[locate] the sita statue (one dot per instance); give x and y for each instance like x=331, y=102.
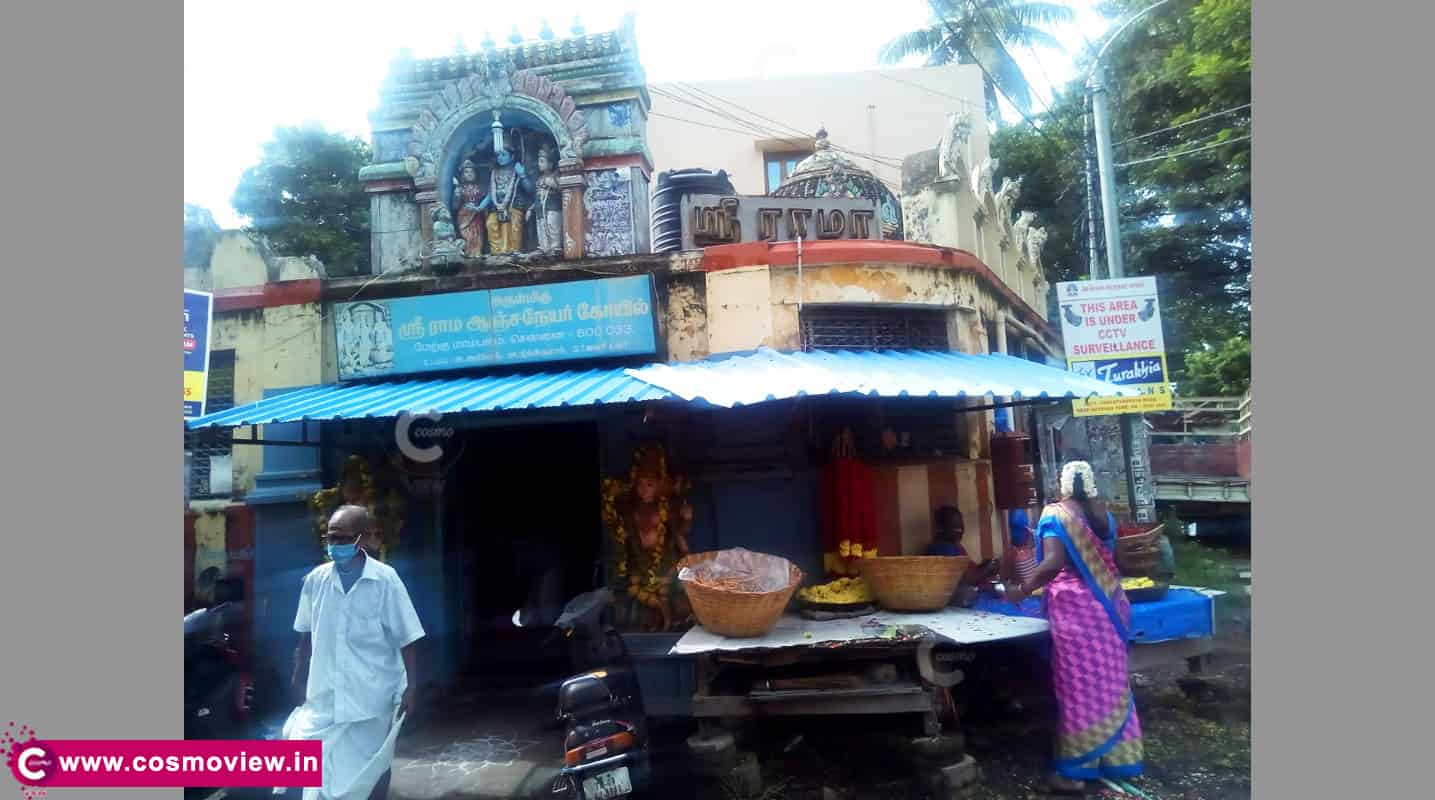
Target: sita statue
x=648, y=518
x=467, y=194
x=358, y=487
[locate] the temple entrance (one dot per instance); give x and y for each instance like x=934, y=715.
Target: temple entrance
x=524, y=518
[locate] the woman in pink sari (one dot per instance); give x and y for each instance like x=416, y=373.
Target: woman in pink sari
x=1099, y=734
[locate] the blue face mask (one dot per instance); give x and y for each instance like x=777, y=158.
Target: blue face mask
x=343, y=553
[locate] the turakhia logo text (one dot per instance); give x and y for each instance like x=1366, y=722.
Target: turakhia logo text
x=1129, y=370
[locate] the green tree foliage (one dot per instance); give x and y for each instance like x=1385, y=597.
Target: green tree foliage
x=1179, y=81
x=1223, y=370
x=201, y=233
x=304, y=196
x=980, y=32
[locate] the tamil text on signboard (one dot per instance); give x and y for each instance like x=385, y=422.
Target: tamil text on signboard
x=553, y=322
x=1112, y=330
x=198, y=309
x=710, y=219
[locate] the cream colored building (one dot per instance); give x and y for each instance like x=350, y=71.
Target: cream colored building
x=759, y=126
x=268, y=332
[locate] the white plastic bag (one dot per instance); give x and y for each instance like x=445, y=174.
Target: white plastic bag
x=741, y=570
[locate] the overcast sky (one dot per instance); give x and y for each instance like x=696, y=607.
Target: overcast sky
x=250, y=66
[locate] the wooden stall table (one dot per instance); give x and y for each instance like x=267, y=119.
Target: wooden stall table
x=855, y=660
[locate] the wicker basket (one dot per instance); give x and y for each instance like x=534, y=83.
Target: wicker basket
x=740, y=615
x=1139, y=554
x=913, y=583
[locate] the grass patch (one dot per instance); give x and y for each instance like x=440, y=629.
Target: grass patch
x=1208, y=567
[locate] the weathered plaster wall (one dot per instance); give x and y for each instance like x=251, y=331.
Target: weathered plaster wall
x=755, y=306
x=943, y=213
x=274, y=345
x=739, y=309
x=686, y=323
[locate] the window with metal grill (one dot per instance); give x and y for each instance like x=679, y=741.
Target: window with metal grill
x=211, y=449
x=874, y=329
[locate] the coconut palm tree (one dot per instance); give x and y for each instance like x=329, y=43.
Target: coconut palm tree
x=981, y=32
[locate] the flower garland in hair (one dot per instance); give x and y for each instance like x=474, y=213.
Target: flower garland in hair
x=1068, y=479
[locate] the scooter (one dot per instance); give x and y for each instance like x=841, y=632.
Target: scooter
x=218, y=690
x=605, y=742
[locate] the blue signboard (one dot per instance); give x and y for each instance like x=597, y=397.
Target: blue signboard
x=553, y=322
x=198, y=309
x=1124, y=371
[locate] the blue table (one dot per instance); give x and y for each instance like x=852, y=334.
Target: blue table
x=1181, y=614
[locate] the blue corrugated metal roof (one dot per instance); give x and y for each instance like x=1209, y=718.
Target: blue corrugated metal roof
x=769, y=375
x=723, y=381
x=443, y=396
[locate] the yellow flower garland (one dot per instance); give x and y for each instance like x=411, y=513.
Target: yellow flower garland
x=390, y=519
x=649, y=589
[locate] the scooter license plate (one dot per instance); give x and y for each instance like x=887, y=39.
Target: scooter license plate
x=607, y=785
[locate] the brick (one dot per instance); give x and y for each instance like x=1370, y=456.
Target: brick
x=961, y=774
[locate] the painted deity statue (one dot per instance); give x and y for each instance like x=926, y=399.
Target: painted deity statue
x=549, y=205
x=648, y=518
x=467, y=195
x=506, y=203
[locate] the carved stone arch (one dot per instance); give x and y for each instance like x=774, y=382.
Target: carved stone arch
x=459, y=102
x=493, y=89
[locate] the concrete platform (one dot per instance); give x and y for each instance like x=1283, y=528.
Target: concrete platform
x=478, y=749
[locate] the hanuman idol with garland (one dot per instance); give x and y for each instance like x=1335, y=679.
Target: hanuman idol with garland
x=648, y=518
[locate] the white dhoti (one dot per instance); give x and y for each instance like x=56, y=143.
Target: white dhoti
x=356, y=754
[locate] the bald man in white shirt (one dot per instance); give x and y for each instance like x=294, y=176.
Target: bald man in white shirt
x=355, y=661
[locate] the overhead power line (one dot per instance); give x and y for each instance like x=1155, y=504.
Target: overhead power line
x=1183, y=124
x=1186, y=152
x=699, y=124
x=965, y=102
x=887, y=160
x=754, y=128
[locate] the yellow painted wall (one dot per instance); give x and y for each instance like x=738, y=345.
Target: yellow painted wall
x=274, y=347
x=758, y=306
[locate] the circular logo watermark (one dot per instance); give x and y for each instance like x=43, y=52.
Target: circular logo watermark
x=427, y=449
x=422, y=444
x=33, y=763
x=937, y=665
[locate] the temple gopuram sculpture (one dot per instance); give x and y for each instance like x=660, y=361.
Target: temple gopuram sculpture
x=467, y=194
x=827, y=173
x=505, y=206
x=466, y=132
x=548, y=205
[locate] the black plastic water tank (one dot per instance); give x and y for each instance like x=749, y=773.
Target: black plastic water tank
x=672, y=187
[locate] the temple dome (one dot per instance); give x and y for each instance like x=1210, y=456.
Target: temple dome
x=828, y=173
